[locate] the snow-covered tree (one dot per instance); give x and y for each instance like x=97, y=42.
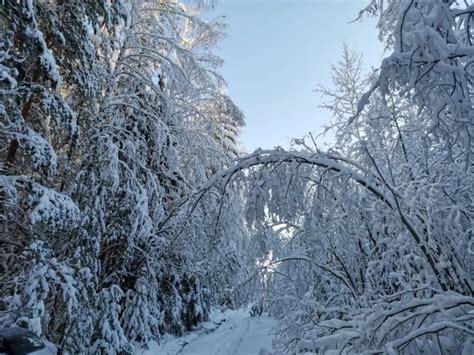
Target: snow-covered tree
x=112, y=113
x=42, y=54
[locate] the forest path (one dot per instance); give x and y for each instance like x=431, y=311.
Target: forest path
x=228, y=333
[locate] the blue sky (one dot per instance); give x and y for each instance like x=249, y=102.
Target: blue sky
x=277, y=52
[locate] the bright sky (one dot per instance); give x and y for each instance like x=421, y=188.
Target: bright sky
x=275, y=55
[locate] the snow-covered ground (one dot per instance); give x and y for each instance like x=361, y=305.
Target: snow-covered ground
x=228, y=333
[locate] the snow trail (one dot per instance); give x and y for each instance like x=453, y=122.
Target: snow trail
x=227, y=333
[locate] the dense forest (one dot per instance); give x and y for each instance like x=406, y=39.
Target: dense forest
x=127, y=211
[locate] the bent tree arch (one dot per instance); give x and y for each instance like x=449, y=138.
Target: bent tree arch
x=373, y=183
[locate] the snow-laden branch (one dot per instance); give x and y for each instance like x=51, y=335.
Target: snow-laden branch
x=323, y=160
x=278, y=156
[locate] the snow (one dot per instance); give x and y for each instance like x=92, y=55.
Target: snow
x=340, y=337
x=49, y=206
x=232, y=332
x=51, y=347
x=49, y=63
x=47, y=59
